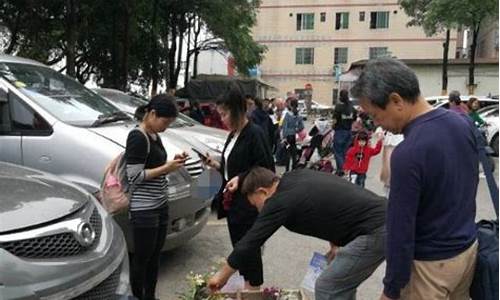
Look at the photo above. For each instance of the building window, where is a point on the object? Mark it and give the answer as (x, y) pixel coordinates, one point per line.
(361, 16)
(376, 52)
(304, 56)
(379, 19)
(341, 20)
(323, 17)
(305, 22)
(340, 56)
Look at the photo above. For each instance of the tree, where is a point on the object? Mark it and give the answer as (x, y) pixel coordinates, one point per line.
(422, 15)
(232, 21)
(469, 14)
(128, 41)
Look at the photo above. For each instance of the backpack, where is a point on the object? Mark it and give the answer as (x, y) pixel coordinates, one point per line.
(115, 189)
(485, 282)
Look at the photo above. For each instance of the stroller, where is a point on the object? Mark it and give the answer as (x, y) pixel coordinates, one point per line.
(316, 153)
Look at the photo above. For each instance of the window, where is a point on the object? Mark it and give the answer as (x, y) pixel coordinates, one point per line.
(341, 20)
(376, 52)
(361, 16)
(305, 22)
(323, 17)
(16, 118)
(304, 56)
(340, 56)
(379, 19)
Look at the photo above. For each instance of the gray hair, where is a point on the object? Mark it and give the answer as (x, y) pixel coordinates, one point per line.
(454, 97)
(383, 76)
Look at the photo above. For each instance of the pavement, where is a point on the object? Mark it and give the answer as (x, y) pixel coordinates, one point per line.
(286, 255)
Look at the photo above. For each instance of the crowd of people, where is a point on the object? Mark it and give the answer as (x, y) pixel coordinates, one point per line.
(424, 228)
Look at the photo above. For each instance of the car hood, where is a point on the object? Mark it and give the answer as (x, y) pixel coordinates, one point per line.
(173, 143)
(212, 137)
(29, 197)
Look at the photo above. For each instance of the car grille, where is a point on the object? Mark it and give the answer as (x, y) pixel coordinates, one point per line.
(104, 290)
(194, 167)
(53, 246)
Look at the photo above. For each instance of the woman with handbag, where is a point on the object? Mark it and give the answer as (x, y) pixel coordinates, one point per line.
(246, 147)
(147, 166)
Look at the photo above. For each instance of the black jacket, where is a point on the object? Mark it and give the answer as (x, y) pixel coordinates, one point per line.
(250, 150)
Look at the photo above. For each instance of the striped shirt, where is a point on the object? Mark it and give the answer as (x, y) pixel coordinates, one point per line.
(146, 194)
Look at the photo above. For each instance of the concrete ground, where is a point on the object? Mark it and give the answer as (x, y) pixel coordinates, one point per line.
(286, 255)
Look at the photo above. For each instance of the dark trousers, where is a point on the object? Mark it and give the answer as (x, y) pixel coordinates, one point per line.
(252, 271)
(341, 143)
(360, 179)
(291, 152)
(149, 228)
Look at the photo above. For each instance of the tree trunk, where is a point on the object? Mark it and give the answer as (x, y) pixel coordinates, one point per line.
(472, 64)
(154, 52)
(178, 65)
(171, 54)
(446, 47)
(71, 38)
(114, 72)
(196, 51)
(14, 34)
(126, 45)
(188, 50)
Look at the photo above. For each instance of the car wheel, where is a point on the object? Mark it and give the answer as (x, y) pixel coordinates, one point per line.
(494, 144)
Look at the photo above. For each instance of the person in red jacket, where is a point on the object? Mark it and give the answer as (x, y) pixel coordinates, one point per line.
(358, 158)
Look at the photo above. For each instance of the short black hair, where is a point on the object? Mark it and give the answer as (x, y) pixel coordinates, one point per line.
(256, 178)
(164, 105)
(383, 76)
(362, 136)
(344, 96)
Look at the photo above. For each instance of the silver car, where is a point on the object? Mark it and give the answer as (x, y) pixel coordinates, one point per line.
(56, 240)
(212, 138)
(52, 123)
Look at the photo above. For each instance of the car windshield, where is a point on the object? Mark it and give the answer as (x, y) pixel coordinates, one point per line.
(61, 96)
(130, 103)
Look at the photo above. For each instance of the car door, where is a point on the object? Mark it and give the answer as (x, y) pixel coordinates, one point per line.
(10, 140)
(19, 123)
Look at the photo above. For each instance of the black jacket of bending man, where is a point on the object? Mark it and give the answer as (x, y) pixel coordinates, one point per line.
(251, 150)
(315, 204)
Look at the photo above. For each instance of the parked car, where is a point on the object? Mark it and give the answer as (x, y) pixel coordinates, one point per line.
(315, 107)
(184, 126)
(442, 101)
(52, 123)
(490, 115)
(56, 240)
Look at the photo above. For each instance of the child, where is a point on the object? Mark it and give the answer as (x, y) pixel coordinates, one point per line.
(358, 158)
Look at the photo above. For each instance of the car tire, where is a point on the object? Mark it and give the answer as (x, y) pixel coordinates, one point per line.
(494, 144)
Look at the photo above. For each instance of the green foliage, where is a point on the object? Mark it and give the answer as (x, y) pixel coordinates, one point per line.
(125, 41)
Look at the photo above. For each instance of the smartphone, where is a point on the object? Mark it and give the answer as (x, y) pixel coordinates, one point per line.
(201, 155)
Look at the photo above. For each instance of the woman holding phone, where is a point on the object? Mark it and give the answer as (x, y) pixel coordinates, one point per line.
(246, 147)
(147, 166)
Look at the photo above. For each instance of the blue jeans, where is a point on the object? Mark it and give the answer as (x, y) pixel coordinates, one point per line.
(352, 265)
(341, 141)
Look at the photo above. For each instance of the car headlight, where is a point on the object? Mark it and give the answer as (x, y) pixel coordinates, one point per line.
(178, 186)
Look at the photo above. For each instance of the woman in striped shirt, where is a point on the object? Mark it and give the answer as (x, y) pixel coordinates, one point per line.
(147, 166)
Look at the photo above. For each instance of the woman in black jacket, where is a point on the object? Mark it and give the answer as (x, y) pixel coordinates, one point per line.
(245, 148)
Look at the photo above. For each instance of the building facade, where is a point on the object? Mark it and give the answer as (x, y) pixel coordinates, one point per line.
(315, 41)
